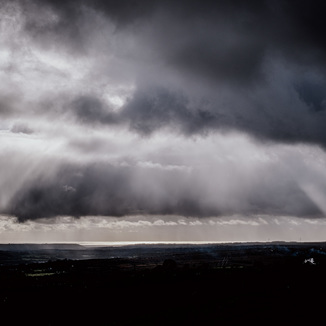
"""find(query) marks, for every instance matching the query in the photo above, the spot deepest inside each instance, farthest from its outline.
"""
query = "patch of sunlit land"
(40, 274)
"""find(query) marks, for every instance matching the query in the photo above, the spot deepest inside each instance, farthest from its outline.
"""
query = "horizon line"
(127, 243)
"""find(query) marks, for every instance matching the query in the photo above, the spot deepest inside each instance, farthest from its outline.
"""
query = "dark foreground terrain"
(232, 284)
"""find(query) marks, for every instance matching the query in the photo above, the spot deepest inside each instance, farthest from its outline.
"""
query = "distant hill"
(35, 246)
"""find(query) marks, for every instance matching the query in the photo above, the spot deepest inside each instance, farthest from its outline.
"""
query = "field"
(226, 284)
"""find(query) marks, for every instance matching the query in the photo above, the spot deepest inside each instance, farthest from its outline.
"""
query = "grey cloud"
(91, 145)
(102, 189)
(313, 94)
(74, 25)
(228, 59)
(9, 105)
(89, 109)
(149, 110)
(46, 22)
(196, 67)
(21, 128)
(304, 30)
(295, 113)
(214, 42)
(98, 190)
(218, 39)
(4, 110)
(268, 114)
(156, 108)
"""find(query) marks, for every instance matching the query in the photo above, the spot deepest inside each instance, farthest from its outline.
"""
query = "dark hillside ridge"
(229, 284)
(227, 254)
(41, 246)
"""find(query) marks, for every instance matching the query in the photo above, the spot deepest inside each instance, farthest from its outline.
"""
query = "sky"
(159, 120)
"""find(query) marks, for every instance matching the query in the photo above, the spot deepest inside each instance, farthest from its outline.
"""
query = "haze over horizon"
(162, 120)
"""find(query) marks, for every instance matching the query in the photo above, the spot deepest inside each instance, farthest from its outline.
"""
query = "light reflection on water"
(130, 243)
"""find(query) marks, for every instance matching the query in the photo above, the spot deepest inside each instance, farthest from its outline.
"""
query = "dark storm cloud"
(265, 116)
(74, 191)
(156, 108)
(93, 190)
(313, 94)
(190, 67)
(102, 189)
(304, 30)
(214, 40)
(221, 39)
(241, 48)
(75, 22)
(90, 110)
